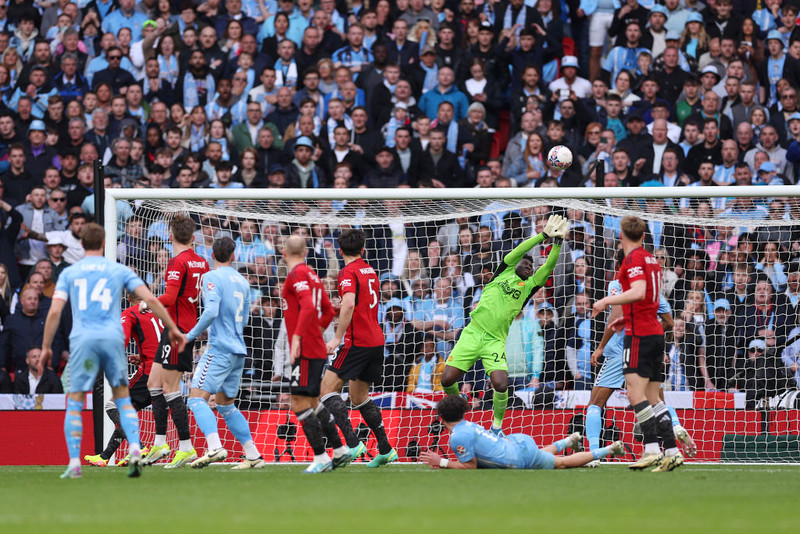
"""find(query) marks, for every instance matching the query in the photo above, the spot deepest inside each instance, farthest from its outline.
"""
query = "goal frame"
(377, 194)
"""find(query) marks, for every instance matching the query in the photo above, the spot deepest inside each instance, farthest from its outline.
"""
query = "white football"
(559, 157)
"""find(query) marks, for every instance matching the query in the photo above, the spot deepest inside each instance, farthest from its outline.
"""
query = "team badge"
(211, 286)
(520, 283)
(461, 449)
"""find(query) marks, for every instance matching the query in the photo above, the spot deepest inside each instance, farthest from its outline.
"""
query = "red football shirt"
(182, 295)
(145, 329)
(307, 310)
(641, 318)
(359, 278)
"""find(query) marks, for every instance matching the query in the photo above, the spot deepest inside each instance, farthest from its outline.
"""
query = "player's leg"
(450, 377)
(359, 393)
(234, 419)
(206, 381)
(681, 434)
(672, 456)
(594, 415)
(73, 433)
(330, 396)
(499, 381)
(638, 368)
(101, 460)
(306, 378)
(466, 352)
(155, 386)
(579, 459)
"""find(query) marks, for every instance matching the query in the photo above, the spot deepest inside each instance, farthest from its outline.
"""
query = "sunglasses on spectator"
(58, 199)
(112, 58)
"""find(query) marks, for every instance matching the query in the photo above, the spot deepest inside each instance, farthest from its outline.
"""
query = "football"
(559, 157)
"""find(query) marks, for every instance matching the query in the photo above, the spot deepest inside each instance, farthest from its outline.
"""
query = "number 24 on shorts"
(497, 357)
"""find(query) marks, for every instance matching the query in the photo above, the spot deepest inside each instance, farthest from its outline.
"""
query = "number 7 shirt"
(359, 278)
(307, 310)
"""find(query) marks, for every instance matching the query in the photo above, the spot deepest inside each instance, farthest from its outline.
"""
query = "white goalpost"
(730, 260)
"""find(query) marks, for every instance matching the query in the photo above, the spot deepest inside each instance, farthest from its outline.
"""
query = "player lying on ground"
(226, 309)
(308, 311)
(139, 323)
(360, 359)
(94, 287)
(504, 296)
(475, 447)
(181, 298)
(610, 377)
(643, 353)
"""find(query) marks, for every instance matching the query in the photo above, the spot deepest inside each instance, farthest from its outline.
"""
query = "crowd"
(417, 93)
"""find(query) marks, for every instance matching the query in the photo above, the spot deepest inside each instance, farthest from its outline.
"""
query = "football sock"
(113, 444)
(647, 422)
(601, 452)
(73, 430)
(238, 425)
(452, 389)
(328, 426)
(312, 430)
(336, 406)
(372, 416)
(594, 426)
(160, 415)
(499, 402)
(674, 416)
(664, 425)
(180, 416)
(250, 450)
(207, 422)
(129, 421)
(562, 444)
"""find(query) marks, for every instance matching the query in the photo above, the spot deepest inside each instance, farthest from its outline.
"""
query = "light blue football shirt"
(226, 309)
(93, 287)
(469, 441)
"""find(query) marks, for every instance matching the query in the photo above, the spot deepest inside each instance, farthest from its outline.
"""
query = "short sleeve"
(61, 291)
(131, 279)
(461, 443)
(663, 305)
(175, 272)
(210, 290)
(347, 282)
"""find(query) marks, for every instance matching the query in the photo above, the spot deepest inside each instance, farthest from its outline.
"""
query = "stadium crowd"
(417, 93)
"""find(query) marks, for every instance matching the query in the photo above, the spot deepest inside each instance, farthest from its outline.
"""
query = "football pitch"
(401, 498)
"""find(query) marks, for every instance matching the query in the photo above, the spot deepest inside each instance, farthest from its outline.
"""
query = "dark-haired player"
(643, 351)
(307, 312)
(502, 299)
(360, 359)
(181, 296)
(476, 447)
(226, 308)
(141, 325)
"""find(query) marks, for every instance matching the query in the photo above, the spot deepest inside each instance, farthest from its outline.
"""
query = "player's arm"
(176, 337)
(543, 273)
(307, 322)
(637, 292)
(346, 310)
(436, 462)
(551, 230)
(211, 299)
(175, 273)
(50, 327)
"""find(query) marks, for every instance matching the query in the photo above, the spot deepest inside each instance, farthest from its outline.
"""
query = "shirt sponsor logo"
(300, 286)
(508, 290)
(345, 283)
(635, 271)
(173, 275)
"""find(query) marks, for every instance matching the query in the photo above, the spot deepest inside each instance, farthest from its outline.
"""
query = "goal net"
(729, 272)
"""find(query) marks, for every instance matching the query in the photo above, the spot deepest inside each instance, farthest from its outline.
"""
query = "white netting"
(739, 404)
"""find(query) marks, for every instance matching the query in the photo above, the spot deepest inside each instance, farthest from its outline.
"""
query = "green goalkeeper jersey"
(506, 294)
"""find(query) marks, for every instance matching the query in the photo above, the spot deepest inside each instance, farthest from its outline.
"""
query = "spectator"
(721, 347)
(442, 315)
(40, 219)
(426, 373)
(31, 380)
(554, 370)
(22, 330)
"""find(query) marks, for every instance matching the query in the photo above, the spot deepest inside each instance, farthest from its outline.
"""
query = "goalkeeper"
(503, 298)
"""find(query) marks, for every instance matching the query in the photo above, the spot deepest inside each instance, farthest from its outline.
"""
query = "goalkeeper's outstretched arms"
(555, 229)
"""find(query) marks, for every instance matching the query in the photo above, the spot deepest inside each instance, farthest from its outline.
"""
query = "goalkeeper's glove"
(553, 225)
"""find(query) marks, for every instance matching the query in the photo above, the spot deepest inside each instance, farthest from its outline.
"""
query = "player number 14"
(100, 293)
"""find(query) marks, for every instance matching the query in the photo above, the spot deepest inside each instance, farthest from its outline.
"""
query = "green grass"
(397, 498)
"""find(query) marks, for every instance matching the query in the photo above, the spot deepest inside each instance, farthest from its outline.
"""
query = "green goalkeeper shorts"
(476, 344)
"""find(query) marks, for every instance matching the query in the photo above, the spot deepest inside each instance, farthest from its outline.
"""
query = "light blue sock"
(674, 416)
(205, 418)
(601, 452)
(128, 420)
(594, 426)
(236, 422)
(561, 444)
(73, 428)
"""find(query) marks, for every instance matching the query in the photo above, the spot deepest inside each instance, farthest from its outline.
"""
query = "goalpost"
(732, 357)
